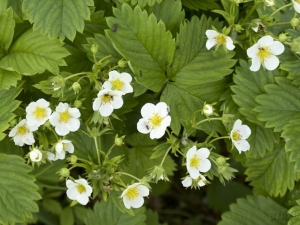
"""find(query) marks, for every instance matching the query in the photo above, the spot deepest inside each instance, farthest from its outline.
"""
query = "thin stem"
(279, 24)
(76, 74)
(97, 149)
(52, 187)
(100, 61)
(162, 161)
(218, 138)
(208, 119)
(83, 160)
(277, 10)
(129, 175)
(249, 14)
(109, 151)
(54, 133)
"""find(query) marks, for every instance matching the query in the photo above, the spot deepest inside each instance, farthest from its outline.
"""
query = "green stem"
(129, 175)
(97, 149)
(85, 161)
(208, 119)
(249, 14)
(54, 133)
(100, 61)
(109, 151)
(218, 138)
(76, 74)
(279, 24)
(162, 161)
(52, 187)
(277, 10)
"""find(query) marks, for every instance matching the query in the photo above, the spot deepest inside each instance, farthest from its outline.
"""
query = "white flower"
(239, 134)
(65, 119)
(108, 100)
(22, 133)
(35, 155)
(188, 181)
(263, 52)
(208, 110)
(38, 112)
(118, 82)
(269, 2)
(79, 190)
(133, 195)
(296, 4)
(196, 161)
(51, 156)
(62, 147)
(155, 119)
(215, 38)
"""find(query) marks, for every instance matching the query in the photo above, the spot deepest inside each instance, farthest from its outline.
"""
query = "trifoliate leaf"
(201, 4)
(34, 53)
(7, 105)
(18, 191)
(141, 3)
(280, 105)
(7, 26)
(170, 12)
(193, 63)
(8, 78)
(274, 171)
(294, 212)
(253, 210)
(16, 6)
(107, 213)
(8, 146)
(249, 85)
(291, 135)
(144, 42)
(58, 18)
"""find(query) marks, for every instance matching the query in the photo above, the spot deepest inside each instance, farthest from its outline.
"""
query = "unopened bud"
(78, 103)
(122, 63)
(295, 22)
(76, 87)
(208, 110)
(238, 28)
(64, 172)
(295, 46)
(221, 161)
(94, 48)
(72, 159)
(13, 123)
(119, 140)
(283, 37)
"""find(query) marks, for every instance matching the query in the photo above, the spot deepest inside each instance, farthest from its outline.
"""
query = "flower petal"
(73, 124)
(117, 102)
(61, 129)
(72, 193)
(54, 118)
(82, 199)
(191, 152)
(205, 165)
(158, 132)
(242, 145)
(127, 202)
(237, 125)
(143, 126)
(245, 131)
(126, 77)
(143, 190)
(203, 153)
(166, 122)
(148, 110)
(96, 104)
(194, 173)
(252, 51)
(276, 48)
(74, 112)
(137, 202)
(265, 41)
(187, 182)
(210, 43)
(127, 88)
(107, 85)
(229, 43)
(271, 63)
(162, 109)
(106, 109)
(255, 64)
(113, 75)
(211, 34)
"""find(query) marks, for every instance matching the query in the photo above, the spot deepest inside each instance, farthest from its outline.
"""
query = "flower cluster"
(110, 97)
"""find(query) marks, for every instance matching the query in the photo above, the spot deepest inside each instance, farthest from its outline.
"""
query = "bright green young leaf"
(144, 42)
(8, 78)
(291, 135)
(201, 4)
(105, 48)
(58, 18)
(7, 26)
(274, 171)
(294, 212)
(16, 6)
(193, 63)
(182, 105)
(18, 191)
(170, 12)
(34, 53)
(253, 210)
(7, 105)
(280, 105)
(108, 213)
(247, 86)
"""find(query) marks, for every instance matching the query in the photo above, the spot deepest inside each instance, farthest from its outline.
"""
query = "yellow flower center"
(221, 39)
(22, 130)
(117, 84)
(39, 112)
(37, 157)
(64, 117)
(263, 53)
(298, 1)
(155, 120)
(194, 161)
(132, 193)
(81, 188)
(236, 136)
(106, 98)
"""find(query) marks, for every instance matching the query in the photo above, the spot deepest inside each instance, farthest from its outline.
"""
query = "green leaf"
(3, 5)
(182, 105)
(105, 48)
(193, 63)
(7, 26)
(294, 212)
(141, 3)
(152, 217)
(16, 5)
(8, 146)
(144, 42)
(247, 86)
(7, 105)
(274, 171)
(280, 105)
(33, 53)
(96, 25)
(77, 60)
(58, 18)
(201, 4)
(170, 12)
(17, 190)
(291, 135)
(8, 78)
(107, 213)
(160, 150)
(67, 216)
(253, 210)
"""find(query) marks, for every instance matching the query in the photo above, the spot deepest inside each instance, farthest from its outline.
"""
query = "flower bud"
(221, 161)
(238, 28)
(122, 63)
(119, 140)
(64, 172)
(94, 48)
(76, 87)
(295, 46)
(295, 22)
(208, 110)
(78, 103)
(72, 159)
(283, 37)
(269, 2)
(13, 123)
(58, 82)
